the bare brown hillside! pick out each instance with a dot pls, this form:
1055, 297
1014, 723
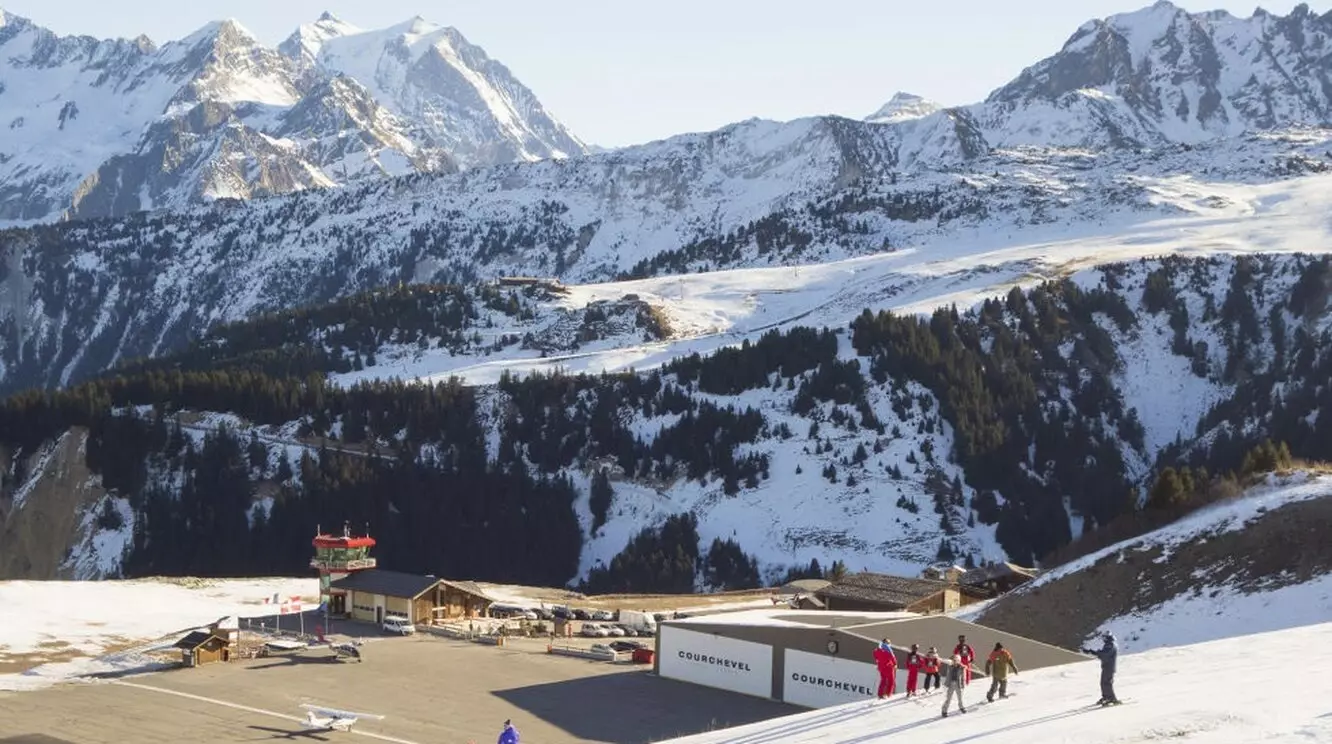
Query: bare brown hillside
37, 533
1285, 546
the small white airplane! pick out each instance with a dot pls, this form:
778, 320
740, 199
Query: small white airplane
319, 718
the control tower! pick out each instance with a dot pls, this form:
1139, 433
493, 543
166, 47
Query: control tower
336, 556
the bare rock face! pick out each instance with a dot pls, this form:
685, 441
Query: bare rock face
46, 516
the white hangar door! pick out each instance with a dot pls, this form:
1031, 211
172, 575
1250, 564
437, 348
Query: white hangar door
714, 661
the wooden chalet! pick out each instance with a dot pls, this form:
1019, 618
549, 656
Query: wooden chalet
374, 593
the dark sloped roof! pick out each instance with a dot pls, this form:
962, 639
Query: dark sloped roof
388, 583
890, 591
988, 573
194, 640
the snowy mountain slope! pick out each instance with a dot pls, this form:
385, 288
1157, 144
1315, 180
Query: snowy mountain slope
874, 475
712, 310
1162, 74
754, 194
1187, 693
1252, 562
100, 128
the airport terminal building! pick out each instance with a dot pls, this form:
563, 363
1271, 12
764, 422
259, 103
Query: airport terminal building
821, 658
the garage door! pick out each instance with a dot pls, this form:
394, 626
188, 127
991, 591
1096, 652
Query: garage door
819, 680
715, 661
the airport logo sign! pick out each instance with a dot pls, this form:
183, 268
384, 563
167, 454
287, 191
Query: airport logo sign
819, 681
714, 661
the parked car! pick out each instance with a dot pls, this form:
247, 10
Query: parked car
544, 614
581, 614
398, 624
592, 630
614, 630
603, 616
626, 646
563, 613
660, 616
603, 648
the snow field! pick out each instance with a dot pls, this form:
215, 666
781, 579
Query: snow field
88, 619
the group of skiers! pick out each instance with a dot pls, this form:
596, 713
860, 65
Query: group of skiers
956, 672
955, 677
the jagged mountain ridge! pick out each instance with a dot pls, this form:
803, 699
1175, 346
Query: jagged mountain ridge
100, 128
1161, 75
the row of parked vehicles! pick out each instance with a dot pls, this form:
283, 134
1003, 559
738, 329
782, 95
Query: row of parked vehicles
627, 620
513, 612
607, 630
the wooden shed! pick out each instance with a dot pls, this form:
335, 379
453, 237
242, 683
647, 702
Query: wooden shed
203, 647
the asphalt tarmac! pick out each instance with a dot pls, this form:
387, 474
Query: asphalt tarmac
430, 690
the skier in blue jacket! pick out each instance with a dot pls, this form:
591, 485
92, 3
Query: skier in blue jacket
1108, 653
509, 735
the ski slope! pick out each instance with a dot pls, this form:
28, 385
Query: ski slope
1253, 688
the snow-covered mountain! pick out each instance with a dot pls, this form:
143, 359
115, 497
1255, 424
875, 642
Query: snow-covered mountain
98, 128
1162, 74
728, 235
429, 74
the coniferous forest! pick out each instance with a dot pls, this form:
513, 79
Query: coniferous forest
485, 482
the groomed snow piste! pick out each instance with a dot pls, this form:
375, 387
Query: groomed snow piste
1256, 688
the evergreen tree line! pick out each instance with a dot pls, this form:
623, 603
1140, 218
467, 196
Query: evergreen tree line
667, 559
1027, 383
344, 335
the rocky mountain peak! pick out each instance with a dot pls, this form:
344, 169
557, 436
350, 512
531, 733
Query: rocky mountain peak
903, 107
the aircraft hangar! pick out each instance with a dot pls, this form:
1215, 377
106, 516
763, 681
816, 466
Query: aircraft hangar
818, 658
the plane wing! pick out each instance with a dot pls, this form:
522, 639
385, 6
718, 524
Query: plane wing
339, 714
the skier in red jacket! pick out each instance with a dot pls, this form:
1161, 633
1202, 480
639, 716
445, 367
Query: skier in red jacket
887, 661
914, 663
966, 654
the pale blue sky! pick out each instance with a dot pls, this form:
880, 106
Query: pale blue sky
620, 72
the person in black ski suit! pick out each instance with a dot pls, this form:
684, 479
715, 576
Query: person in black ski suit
1108, 653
